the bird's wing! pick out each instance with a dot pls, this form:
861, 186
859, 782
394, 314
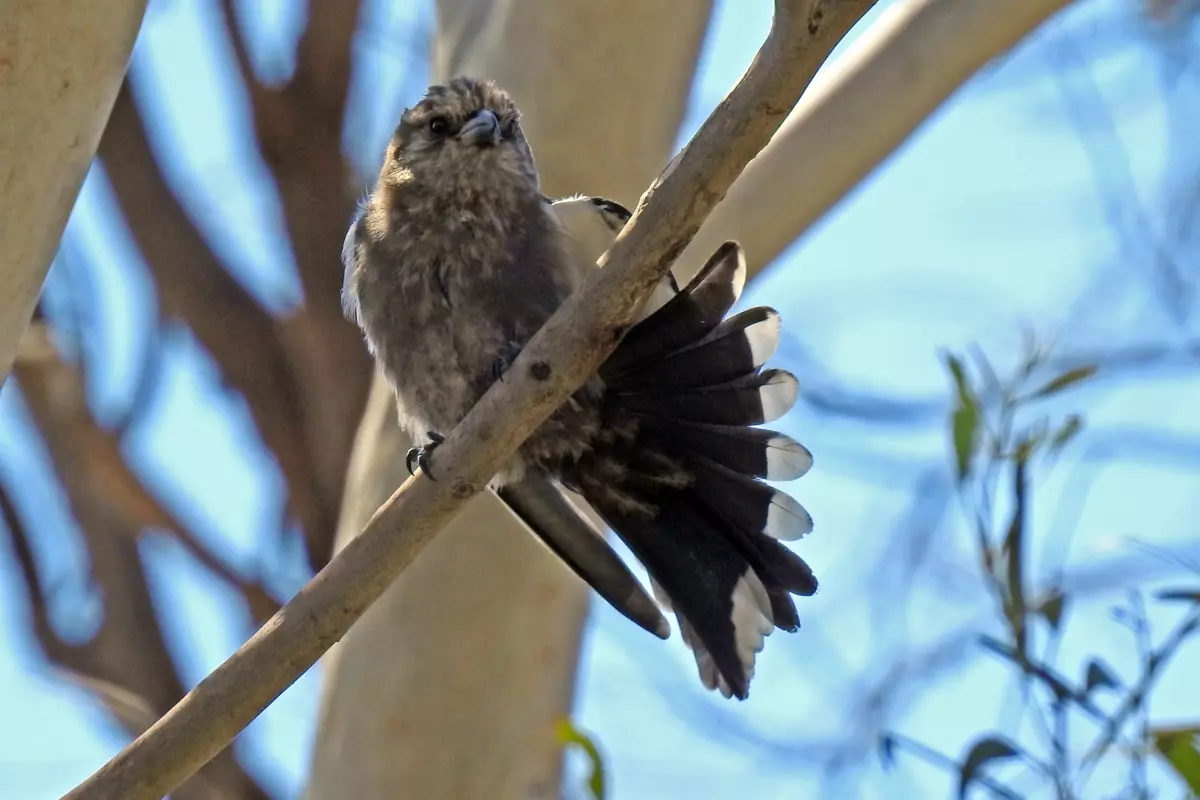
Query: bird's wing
350, 256
591, 224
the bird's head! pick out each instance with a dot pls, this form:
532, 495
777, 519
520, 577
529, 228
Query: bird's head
463, 136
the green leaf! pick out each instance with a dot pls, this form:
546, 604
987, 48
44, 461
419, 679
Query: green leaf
965, 425
1014, 547
1185, 595
1051, 608
964, 421
1099, 676
991, 748
966, 395
569, 734
1179, 747
1065, 381
1066, 433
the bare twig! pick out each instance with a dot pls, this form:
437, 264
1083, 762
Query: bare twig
945, 762
573, 343
1136, 696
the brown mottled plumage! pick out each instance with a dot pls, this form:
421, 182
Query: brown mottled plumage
459, 225
456, 260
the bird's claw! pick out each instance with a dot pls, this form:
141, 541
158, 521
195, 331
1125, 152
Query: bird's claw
504, 360
419, 456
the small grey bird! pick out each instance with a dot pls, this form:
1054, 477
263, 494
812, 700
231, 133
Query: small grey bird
456, 259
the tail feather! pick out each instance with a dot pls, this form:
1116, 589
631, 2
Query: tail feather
749, 400
754, 452
734, 349
688, 316
685, 489
566, 532
752, 505
723, 608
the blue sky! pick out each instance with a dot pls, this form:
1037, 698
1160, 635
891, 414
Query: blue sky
993, 218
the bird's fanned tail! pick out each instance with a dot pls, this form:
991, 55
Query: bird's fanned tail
683, 486
663, 442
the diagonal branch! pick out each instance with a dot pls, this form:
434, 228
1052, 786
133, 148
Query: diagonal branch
870, 101
573, 343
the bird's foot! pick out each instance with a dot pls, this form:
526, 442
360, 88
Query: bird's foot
419, 456
508, 355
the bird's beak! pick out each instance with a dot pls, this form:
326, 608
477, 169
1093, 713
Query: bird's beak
481, 130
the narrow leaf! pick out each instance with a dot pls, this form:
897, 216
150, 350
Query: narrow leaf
966, 395
985, 750
1179, 747
965, 425
1066, 380
569, 734
1051, 608
1099, 676
1066, 433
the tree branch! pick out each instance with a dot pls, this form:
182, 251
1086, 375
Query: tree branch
60, 67
573, 342
866, 106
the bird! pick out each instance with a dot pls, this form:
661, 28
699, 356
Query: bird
455, 259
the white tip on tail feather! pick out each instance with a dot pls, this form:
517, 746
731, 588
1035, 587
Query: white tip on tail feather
778, 395
787, 459
763, 338
738, 281
752, 622
787, 520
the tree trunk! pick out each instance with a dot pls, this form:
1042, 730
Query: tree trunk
61, 64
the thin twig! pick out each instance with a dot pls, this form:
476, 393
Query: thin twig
1137, 695
943, 761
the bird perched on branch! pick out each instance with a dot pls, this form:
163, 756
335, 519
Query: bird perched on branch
456, 259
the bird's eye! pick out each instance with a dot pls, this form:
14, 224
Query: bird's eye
508, 129
439, 126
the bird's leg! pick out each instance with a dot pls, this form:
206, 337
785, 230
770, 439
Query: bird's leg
508, 354
419, 456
